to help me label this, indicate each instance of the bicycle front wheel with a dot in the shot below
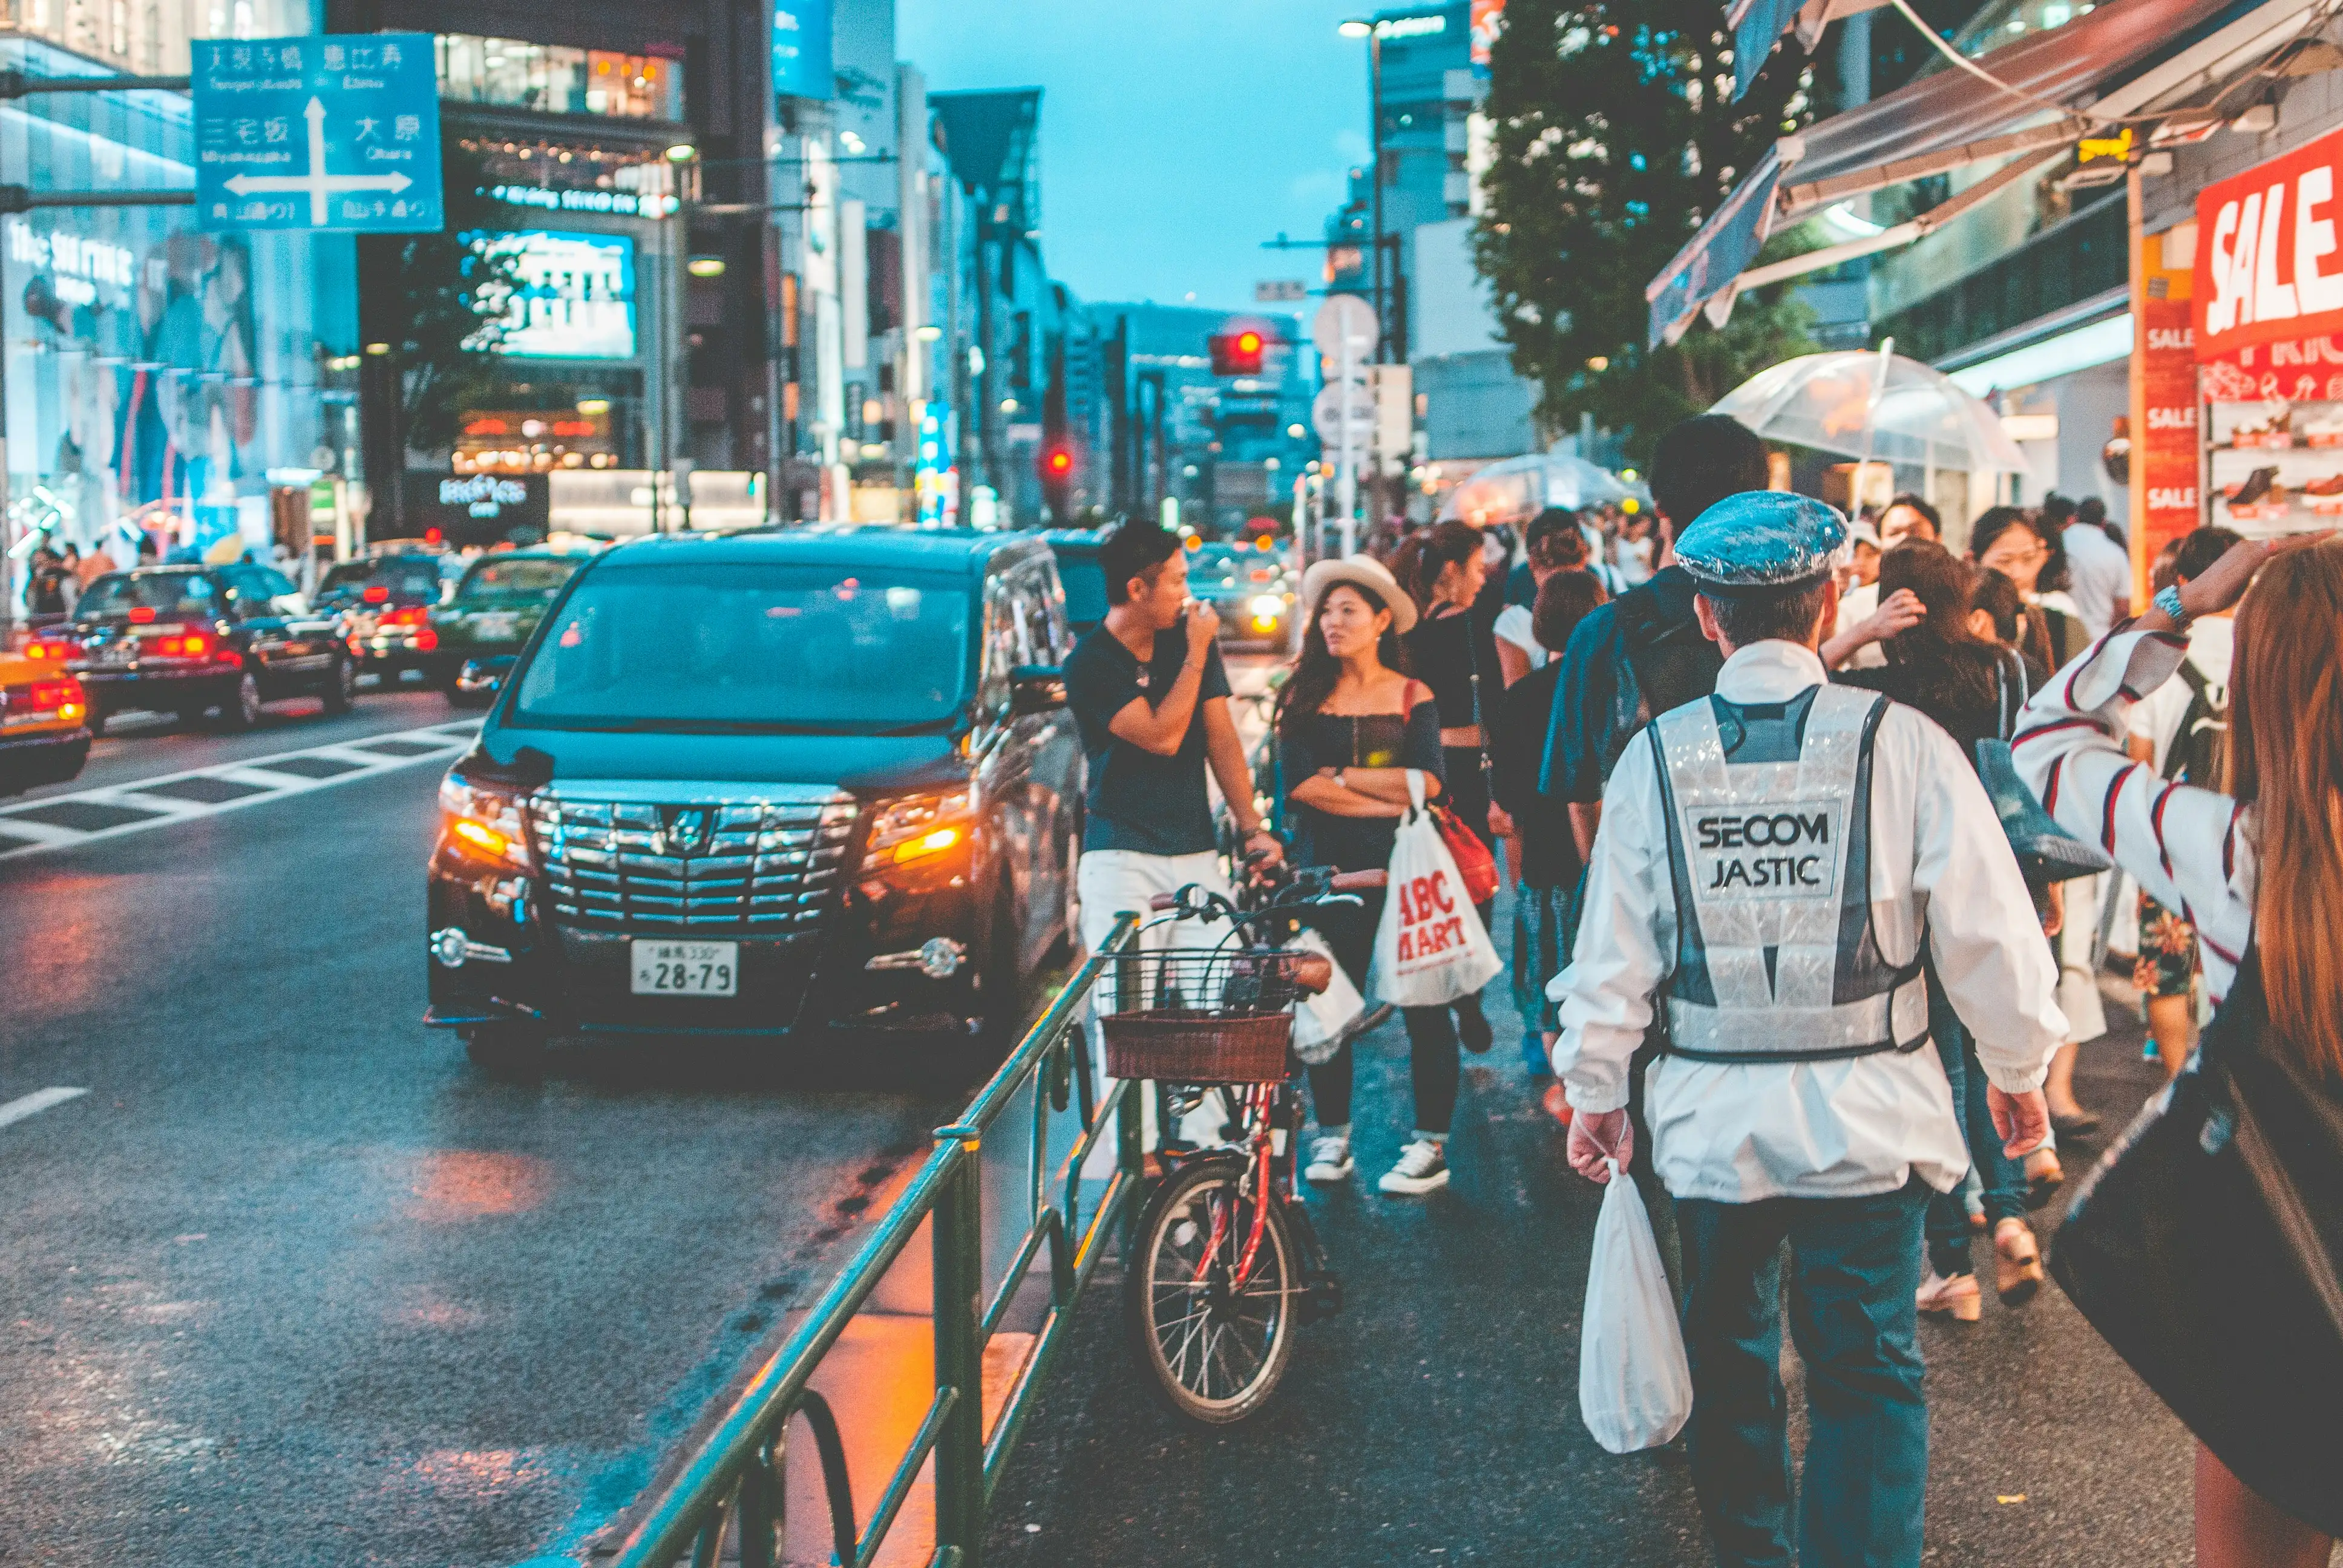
(1208, 1303)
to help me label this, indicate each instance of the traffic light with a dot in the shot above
(1056, 464)
(1237, 352)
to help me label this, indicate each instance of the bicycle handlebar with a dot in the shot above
(1357, 882)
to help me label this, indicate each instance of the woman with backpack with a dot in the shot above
(2260, 869)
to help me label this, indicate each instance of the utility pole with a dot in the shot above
(1120, 433)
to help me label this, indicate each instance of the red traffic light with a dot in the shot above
(1238, 352)
(1057, 463)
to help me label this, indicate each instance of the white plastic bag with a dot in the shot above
(1635, 1386)
(1430, 947)
(1320, 1020)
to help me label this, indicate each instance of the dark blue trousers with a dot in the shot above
(2003, 1178)
(1854, 1266)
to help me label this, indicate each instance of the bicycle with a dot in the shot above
(1223, 1262)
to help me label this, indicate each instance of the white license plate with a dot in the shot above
(687, 968)
(34, 716)
(495, 625)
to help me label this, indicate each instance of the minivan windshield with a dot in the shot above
(516, 575)
(721, 645)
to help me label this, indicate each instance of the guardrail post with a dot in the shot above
(959, 1359)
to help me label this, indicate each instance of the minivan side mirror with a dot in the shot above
(1037, 688)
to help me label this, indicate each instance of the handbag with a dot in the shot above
(1476, 863)
(2205, 1245)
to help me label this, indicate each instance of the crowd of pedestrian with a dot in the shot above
(1760, 777)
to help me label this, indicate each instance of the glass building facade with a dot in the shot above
(156, 374)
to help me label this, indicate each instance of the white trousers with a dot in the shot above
(1111, 881)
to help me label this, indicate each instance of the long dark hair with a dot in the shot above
(1315, 671)
(1953, 669)
(1423, 555)
(1995, 521)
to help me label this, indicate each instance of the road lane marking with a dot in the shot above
(63, 821)
(32, 1104)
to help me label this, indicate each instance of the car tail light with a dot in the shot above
(141, 615)
(194, 645)
(425, 640)
(65, 695)
(375, 595)
(51, 648)
(412, 614)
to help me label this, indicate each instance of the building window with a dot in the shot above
(144, 37)
(556, 80)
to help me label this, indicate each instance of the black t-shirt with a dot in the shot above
(1138, 801)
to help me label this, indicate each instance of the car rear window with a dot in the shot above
(164, 593)
(729, 646)
(415, 577)
(531, 574)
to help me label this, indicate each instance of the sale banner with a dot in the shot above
(2165, 454)
(2269, 265)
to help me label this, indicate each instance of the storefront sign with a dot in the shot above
(328, 132)
(479, 508)
(2269, 264)
(801, 63)
(624, 204)
(1488, 20)
(78, 268)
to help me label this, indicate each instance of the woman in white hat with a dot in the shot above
(1349, 725)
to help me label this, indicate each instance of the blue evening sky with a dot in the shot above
(1175, 137)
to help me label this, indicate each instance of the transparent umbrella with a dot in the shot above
(1518, 489)
(1873, 407)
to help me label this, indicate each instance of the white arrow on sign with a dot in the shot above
(316, 182)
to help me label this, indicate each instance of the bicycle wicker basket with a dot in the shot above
(1202, 1015)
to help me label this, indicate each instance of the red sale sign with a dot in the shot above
(2269, 265)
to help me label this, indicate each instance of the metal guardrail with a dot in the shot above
(729, 1492)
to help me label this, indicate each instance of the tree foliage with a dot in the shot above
(1615, 136)
(447, 297)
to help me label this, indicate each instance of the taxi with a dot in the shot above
(44, 718)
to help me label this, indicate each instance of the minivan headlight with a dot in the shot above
(918, 825)
(482, 822)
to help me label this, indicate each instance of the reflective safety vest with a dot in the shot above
(1768, 811)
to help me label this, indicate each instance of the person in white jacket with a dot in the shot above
(1774, 866)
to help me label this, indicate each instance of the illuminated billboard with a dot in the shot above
(572, 298)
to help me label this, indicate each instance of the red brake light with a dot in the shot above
(431, 536)
(413, 615)
(55, 693)
(377, 594)
(140, 615)
(60, 651)
(425, 640)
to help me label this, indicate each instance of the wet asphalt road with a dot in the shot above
(1436, 1422)
(294, 1285)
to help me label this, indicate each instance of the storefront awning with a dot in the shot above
(2126, 56)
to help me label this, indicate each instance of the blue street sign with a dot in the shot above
(324, 131)
(801, 57)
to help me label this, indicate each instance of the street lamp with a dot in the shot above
(1358, 27)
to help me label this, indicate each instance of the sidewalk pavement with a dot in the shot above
(1436, 1421)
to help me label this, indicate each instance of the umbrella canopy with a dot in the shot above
(1911, 414)
(1518, 489)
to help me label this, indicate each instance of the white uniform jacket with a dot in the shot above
(1737, 1132)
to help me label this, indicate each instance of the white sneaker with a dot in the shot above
(1422, 1168)
(1330, 1159)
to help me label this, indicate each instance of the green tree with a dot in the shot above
(1615, 136)
(444, 299)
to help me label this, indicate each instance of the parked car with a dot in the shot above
(756, 783)
(1252, 589)
(195, 640)
(1079, 572)
(384, 603)
(495, 608)
(44, 718)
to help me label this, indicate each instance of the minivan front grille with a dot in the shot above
(762, 868)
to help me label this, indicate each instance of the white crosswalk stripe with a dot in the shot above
(63, 821)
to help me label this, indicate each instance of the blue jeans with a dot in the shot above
(1856, 1265)
(2003, 1178)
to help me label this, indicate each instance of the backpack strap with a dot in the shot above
(2199, 709)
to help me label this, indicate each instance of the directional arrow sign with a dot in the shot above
(319, 132)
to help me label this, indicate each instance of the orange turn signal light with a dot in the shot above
(488, 840)
(927, 844)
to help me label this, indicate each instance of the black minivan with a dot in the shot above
(762, 783)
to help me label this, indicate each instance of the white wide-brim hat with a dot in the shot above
(1359, 571)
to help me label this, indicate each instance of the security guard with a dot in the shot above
(1771, 861)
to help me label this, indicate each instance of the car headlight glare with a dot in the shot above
(918, 826)
(484, 823)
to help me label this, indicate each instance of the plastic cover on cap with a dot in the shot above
(1762, 539)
